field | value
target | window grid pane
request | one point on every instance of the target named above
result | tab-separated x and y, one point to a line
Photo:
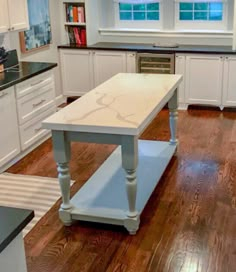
139	12
200	11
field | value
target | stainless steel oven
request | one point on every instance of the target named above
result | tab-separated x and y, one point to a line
155	63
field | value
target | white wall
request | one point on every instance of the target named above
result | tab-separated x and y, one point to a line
106	20
50	54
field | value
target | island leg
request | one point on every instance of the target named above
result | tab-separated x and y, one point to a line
173	116
129	163
61	148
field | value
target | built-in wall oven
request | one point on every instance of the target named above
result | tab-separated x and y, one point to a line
155	63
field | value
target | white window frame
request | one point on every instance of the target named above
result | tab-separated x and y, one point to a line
200	25
152	24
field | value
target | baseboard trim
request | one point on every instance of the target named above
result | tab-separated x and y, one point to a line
60	99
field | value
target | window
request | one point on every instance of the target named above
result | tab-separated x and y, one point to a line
201	14
138	13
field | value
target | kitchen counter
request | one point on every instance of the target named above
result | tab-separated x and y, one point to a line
26	70
12	222
149	48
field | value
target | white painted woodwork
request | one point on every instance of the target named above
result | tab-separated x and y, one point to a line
76	71
24	106
9	136
180	69
204	75
131	65
12	258
229	82
107	64
35	96
18	14
4	20
13	15
108	108
32	131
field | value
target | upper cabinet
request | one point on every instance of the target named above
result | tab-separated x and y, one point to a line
13	15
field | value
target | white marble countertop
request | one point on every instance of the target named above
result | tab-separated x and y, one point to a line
122	105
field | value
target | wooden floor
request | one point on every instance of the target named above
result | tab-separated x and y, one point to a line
188	225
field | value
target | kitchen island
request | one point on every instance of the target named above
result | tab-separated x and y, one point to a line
116	112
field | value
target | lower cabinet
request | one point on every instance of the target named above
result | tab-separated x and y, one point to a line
208	80
9	136
107	64
82	70
23	107
229	82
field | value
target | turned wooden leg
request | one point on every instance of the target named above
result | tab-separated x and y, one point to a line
173	116
61	148
129	163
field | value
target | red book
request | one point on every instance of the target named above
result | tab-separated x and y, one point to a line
77	37
83	36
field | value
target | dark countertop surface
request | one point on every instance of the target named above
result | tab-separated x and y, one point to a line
12	222
149	48
26	70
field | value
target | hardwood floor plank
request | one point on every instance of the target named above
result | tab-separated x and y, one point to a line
188	225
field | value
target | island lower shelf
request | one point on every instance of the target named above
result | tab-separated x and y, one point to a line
103	197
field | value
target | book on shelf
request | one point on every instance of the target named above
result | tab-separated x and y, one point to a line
74	14
81	18
77	35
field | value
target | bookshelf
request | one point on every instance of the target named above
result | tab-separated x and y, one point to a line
75	21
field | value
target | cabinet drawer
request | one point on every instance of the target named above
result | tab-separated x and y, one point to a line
34	83
32	131
35	102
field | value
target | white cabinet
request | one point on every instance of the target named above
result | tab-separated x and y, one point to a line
35	102
82	70
9	136
107	64
229	81
13	15
204	79
76	71
208	80
180	69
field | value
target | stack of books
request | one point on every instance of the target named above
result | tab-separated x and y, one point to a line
75	13
77	35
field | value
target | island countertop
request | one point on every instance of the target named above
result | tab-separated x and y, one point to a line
25	71
122	105
12	222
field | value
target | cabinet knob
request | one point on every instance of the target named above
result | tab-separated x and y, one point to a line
12	28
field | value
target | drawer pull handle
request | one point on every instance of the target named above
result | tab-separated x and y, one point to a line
2	94
38	129
33	84
39	103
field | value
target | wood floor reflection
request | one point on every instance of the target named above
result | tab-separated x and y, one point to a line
188	225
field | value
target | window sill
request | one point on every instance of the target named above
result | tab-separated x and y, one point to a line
165	33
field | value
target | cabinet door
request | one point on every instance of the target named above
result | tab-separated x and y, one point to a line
180	69
9	136
4	21
108	64
229	87
18	14
204	76
131	64
76	71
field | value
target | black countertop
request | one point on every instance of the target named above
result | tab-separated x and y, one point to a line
12	222
26	70
149	48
